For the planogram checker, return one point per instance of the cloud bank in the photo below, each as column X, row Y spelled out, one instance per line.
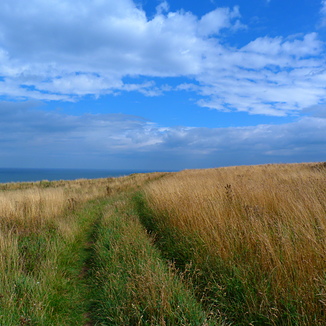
column 33, row 136
column 64, row 50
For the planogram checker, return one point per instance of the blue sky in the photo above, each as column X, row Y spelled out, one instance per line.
column 161, row 85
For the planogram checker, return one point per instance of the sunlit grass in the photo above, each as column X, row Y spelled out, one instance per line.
column 256, row 234
column 242, row 245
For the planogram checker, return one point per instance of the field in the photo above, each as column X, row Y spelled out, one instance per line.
column 228, row 246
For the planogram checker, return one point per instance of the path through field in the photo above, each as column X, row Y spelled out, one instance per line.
column 227, row 246
column 127, row 280
column 94, row 265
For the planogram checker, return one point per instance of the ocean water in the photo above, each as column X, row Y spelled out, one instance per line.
column 31, row 175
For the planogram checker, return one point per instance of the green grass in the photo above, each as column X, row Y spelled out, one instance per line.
column 131, row 284
column 42, row 283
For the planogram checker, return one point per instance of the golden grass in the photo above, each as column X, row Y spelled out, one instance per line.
column 268, row 222
column 34, row 204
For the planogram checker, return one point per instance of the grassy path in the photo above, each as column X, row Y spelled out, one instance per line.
column 129, row 282
column 94, row 266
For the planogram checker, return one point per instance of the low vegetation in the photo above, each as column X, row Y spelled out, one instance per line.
column 228, row 246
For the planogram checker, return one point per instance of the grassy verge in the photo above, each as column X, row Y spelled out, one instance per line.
column 130, row 283
column 40, row 281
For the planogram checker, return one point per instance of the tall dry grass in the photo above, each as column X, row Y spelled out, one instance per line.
column 263, row 225
column 34, row 204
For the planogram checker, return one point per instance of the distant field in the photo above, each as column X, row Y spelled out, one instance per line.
column 228, row 246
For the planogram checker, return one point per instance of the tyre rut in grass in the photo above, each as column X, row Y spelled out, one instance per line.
column 130, row 283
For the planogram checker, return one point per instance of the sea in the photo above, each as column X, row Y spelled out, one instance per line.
column 32, row 175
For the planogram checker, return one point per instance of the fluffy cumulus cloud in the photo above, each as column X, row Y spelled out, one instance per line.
column 31, row 135
column 63, row 50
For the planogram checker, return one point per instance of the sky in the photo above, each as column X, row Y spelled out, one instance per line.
column 161, row 85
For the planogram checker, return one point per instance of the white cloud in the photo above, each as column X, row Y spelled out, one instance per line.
column 214, row 21
column 271, row 76
column 309, row 45
column 62, row 50
column 80, row 84
column 162, row 7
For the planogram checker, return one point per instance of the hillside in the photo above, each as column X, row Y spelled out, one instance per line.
column 228, row 246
